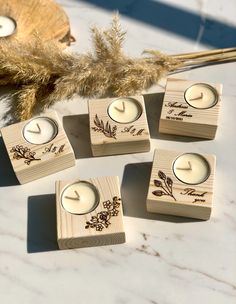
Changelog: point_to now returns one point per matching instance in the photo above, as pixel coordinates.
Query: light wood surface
(42, 159)
(194, 122)
(42, 17)
(194, 203)
(124, 138)
(73, 230)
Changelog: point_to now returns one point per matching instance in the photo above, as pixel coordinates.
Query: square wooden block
(30, 158)
(109, 137)
(102, 226)
(179, 114)
(167, 194)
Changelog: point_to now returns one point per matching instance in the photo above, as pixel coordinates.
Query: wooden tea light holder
(118, 126)
(89, 213)
(38, 147)
(190, 108)
(181, 184)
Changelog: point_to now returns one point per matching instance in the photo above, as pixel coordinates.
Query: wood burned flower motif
(20, 152)
(166, 185)
(106, 129)
(102, 219)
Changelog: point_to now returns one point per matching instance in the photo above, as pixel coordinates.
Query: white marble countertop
(166, 260)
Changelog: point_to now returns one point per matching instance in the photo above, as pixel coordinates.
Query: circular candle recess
(191, 168)
(7, 26)
(80, 198)
(201, 96)
(125, 110)
(40, 130)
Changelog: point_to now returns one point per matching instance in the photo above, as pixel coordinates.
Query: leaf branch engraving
(106, 129)
(20, 152)
(102, 219)
(166, 185)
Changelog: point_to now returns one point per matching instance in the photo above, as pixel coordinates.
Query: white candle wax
(40, 130)
(191, 168)
(7, 26)
(125, 110)
(80, 198)
(201, 96)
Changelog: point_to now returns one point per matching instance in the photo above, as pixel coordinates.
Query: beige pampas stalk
(44, 74)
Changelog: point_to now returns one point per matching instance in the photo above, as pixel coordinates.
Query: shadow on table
(200, 28)
(7, 175)
(153, 104)
(77, 130)
(7, 93)
(42, 224)
(134, 190)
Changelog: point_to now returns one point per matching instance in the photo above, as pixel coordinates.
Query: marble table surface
(166, 260)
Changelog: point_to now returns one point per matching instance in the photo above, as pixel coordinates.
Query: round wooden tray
(42, 17)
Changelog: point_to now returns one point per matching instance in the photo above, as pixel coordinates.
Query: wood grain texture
(124, 138)
(197, 204)
(71, 231)
(54, 156)
(42, 17)
(200, 123)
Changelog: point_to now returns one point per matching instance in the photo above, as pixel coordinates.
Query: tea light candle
(7, 26)
(40, 130)
(191, 168)
(125, 110)
(201, 96)
(80, 198)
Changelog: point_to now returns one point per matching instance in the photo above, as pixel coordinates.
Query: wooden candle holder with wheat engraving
(111, 134)
(168, 194)
(187, 110)
(101, 224)
(38, 147)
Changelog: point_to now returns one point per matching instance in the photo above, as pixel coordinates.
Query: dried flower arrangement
(44, 74)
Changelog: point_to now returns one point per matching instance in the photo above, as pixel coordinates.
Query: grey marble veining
(166, 260)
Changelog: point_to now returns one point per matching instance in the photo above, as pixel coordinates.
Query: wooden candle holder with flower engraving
(38, 147)
(118, 126)
(169, 194)
(190, 108)
(100, 225)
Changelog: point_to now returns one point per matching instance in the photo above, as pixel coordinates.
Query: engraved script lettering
(133, 131)
(197, 196)
(177, 111)
(176, 105)
(54, 149)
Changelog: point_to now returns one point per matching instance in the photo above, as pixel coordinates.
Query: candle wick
(78, 196)
(189, 167)
(38, 128)
(74, 198)
(35, 132)
(196, 98)
(123, 107)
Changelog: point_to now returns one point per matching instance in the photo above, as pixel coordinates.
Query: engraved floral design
(102, 219)
(106, 129)
(20, 152)
(166, 185)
